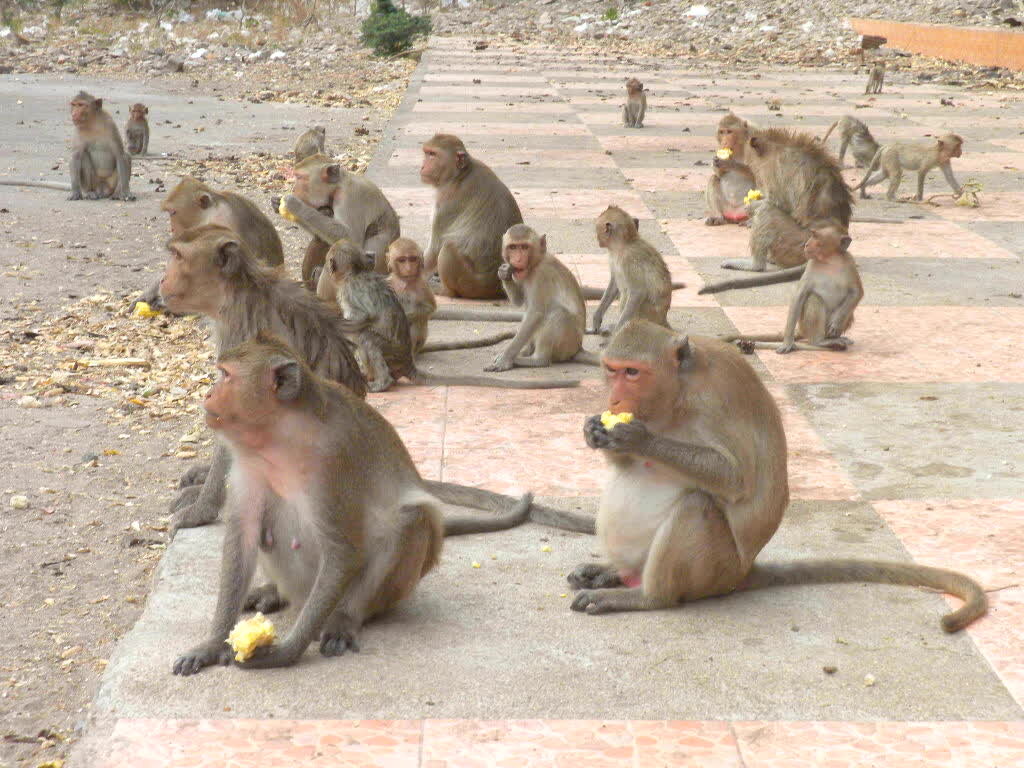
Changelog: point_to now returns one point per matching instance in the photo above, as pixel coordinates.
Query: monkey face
(139, 111)
(82, 112)
(406, 264)
(190, 282)
(519, 255)
(432, 170)
(241, 403)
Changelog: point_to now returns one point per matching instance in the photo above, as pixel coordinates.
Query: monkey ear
(229, 257)
(608, 227)
(756, 144)
(145, 110)
(683, 353)
(98, 103)
(332, 174)
(461, 159)
(205, 201)
(844, 242)
(636, 223)
(287, 381)
(544, 242)
(369, 259)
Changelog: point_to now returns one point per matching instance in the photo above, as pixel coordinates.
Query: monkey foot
(714, 221)
(265, 599)
(594, 576)
(205, 655)
(339, 635)
(194, 475)
(745, 346)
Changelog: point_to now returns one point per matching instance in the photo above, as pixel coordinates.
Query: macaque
(855, 135)
(733, 134)
(728, 186)
(798, 175)
(472, 210)
(212, 272)
(361, 212)
(876, 78)
(376, 323)
(326, 499)
(774, 237)
(100, 168)
(636, 104)
(829, 291)
(310, 143)
(699, 484)
(406, 278)
(920, 156)
(639, 276)
(556, 315)
(136, 130)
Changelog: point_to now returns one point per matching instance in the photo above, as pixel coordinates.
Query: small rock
(19, 502)
(29, 402)
(830, 669)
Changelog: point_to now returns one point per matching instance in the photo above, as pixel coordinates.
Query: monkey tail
(766, 278)
(509, 512)
(483, 341)
(480, 315)
(62, 186)
(876, 161)
(486, 381)
(587, 358)
(829, 132)
(879, 572)
(590, 292)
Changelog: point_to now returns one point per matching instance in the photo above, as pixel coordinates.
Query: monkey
(100, 168)
(699, 484)
(136, 130)
(733, 133)
(920, 156)
(472, 210)
(729, 184)
(774, 237)
(211, 271)
(362, 213)
(876, 78)
(636, 104)
(310, 143)
(829, 291)
(325, 497)
(376, 323)
(556, 315)
(639, 276)
(853, 134)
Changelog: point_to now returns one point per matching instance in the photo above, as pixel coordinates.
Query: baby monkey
(136, 130)
(310, 143)
(636, 104)
(920, 156)
(405, 276)
(876, 78)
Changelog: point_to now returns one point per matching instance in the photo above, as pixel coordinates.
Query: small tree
(390, 30)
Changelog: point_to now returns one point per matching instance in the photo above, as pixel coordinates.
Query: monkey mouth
(518, 273)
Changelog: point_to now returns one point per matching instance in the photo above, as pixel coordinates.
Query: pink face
(407, 265)
(517, 254)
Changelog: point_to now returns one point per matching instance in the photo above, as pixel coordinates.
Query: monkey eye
(632, 373)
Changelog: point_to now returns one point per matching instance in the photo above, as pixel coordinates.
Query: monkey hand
(205, 655)
(714, 221)
(786, 347)
(189, 510)
(633, 437)
(288, 207)
(75, 195)
(505, 273)
(500, 364)
(275, 203)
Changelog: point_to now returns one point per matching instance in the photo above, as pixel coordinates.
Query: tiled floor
(538, 96)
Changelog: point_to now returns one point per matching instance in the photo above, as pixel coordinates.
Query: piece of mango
(754, 194)
(285, 213)
(725, 153)
(609, 419)
(142, 309)
(250, 634)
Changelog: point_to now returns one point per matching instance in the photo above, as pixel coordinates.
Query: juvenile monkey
(875, 78)
(361, 212)
(556, 315)
(774, 237)
(699, 484)
(472, 210)
(100, 168)
(733, 134)
(325, 498)
(376, 323)
(639, 276)
(136, 130)
(728, 186)
(212, 272)
(920, 156)
(829, 291)
(636, 104)
(853, 134)
(310, 143)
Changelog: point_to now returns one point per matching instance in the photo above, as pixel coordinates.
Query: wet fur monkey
(856, 136)
(699, 485)
(325, 498)
(920, 156)
(472, 210)
(136, 130)
(635, 108)
(376, 323)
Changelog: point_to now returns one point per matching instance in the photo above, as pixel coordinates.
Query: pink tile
(680, 179)
(892, 745)
(485, 79)
(1017, 145)
(985, 539)
(456, 107)
(996, 205)
(922, 239)
(500, 91)
(508, 158)
(476, 128)
(640, 141)
(534, 202)
(695, 240)
(593, 270)
(916, 344)
(417, 413)
(682, 744)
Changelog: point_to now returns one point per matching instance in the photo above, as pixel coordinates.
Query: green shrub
(611, 14)
(390, 30)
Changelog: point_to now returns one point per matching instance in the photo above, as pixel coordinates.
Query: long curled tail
(878, 572)
(482, 341)
(509, 512)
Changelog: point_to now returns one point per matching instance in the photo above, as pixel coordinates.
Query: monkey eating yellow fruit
(609, 419)
(285, 213)
(250, 634)
(724, 154)
(142, 309)
(754, 194)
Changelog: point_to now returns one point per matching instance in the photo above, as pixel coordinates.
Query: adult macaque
(376, 323)
(876, 78)
(733, 134)
(639, 276)
(472, 210)
(325, 498)
(920, 156)
(774, 237)
(729, 184)
(310, 143)
(136, 130)
(100, 168)
(798, 175)
(699, 484)
(212, 272)
(829, 291)
(556, 315)
(855, 135)
(636, 104)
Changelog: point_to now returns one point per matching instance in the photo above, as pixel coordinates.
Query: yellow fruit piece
(285, 212)
(142, 309)
(250, 634)
(476, 564)
(754, 194)
(609, 419)
(545, 548)
(724, 153)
